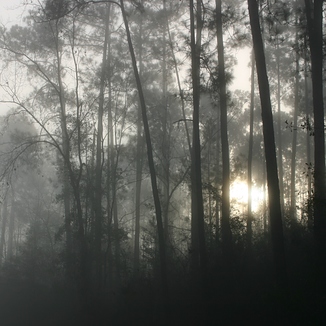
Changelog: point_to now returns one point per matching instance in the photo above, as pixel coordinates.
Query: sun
(239, 194)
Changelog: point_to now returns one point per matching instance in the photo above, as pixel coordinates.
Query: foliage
(51, 79)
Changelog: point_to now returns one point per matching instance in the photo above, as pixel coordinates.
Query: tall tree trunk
(3, 227)
(99, 160)
(66, 175)
(68, 230)
(139, 162)
(139, 169)
(225, 218)
(196, 180)
(251, 143)
(109, 210)
(11, 226)
(208, 162)
(217, 182)
(276, 226)
(315, 20)
(279, 128)
(294, 135)
(157, 205)
(175, 64)
(114, 204)
(308, 140)
(265, 219)
(74, 180)
(166, 135)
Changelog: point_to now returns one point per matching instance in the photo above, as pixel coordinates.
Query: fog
(160, 163)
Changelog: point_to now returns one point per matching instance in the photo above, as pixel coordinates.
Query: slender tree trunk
(265, 219)
(180, 90)
(251, 141)
(66, 176)
(208, 162)
(114, 164)
(196, 184)
(158, 211)
(225, 219)
(217, 182)
(166, 136)
(279, 129)
(3, 227)
(99, 160)
(294, 136)
(308, 143)
(109, 200)
(139, 169)
(315, 31)
(67, 209)
(139, 162)
(11, 226)
(270, 149)
(74, 180)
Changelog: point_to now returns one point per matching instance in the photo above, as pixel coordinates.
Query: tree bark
(314, 13)
(196, 180)
(3, 227)
(166, 135)
(158, 211)
(139, 163)
(225, 218)
(11, 227)
(74, 180)
(251, 142)
(308, 141)
(275, 217)
(279, 129)
(294, 136)
(99, 160)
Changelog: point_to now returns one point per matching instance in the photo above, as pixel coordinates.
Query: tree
(44, 37)
(225, 218)
(139, 161)
(99, 150)
(314, 14)
(4, 215)
(295, 133)
(250, 153)
(196, 179)
(270, 150)
(158, 210)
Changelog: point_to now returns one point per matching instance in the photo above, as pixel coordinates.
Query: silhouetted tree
(276, 226)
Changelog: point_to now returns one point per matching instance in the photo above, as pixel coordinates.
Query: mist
(162, 163)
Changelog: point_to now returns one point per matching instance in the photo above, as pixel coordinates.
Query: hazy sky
(11, 11)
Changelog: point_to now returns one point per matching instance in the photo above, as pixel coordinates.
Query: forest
(141, 184)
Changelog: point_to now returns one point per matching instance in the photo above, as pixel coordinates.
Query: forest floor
(23, 304)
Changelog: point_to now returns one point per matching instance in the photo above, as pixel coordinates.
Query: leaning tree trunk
(151, 165)
(276, 226)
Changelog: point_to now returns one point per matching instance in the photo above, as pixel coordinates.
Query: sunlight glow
(239, 194)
